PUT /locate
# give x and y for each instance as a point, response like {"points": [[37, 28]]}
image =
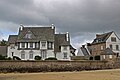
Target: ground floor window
{"points": [[43, 54], [30, 56], [65, 55], [22, 56]]}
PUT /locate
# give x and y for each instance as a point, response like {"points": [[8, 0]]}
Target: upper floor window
{"points": [[37, 45], [43, 44], [50, 45], [113, 39], [117, 47], [31, 45], [111, 47], [23, 45]]}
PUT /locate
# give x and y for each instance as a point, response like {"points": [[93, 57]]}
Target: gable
{"points": [[113, 38], [29, 35]]}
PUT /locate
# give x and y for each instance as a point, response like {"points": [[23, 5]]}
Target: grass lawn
{"points": [[83, 75]]}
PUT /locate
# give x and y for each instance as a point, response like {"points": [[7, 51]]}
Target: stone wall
{"points": [[52, 66]]}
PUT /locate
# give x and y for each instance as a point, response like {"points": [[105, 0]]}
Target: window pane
{"points": [[31, 45], [43, 44], [117, 47], [23, 45], [31, 56], [65, 47], [111, 47], [22, 56], [49, 45], [65, 55], [113, 39]]}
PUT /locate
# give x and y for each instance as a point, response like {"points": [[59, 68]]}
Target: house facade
{"points": [[103, 41], [39, 41]]}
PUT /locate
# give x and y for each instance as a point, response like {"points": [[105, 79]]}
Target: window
{"points": [[43, 54], [23, 45], [113, 39], [49, 45], [65, 48], [110, 56], [117, 47], [22, 56], [12, 53], [43, 44], [36, 45], [101, 47], [111, 47], [30, 56], [31, 45], [28, 35], [65, 55]]}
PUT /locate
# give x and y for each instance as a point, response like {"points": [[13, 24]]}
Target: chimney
{"points": [[67, 36], [21, 27], [52, 26]]}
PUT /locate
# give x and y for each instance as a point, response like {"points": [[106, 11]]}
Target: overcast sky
{"points": [[81, 18]]}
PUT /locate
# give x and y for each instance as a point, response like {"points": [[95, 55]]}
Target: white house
{"points": [[39, 40]]}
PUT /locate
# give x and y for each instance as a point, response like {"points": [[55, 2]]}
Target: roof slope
{"points": [[12, 39], [101, 37], [40, 33], [60, 40], [108, 51]]}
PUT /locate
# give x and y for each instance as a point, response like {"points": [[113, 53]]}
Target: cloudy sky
{"points": [[81, 18]]}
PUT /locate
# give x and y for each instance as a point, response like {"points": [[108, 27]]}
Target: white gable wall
{"points": [[109, 42]]}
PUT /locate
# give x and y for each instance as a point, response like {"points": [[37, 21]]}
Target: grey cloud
{"points": [[78, 17]]}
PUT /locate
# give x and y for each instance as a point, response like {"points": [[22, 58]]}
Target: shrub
{"points": [[91, 58], [16, 58], [9, 58], [51, 58], [97, 57], [2, 57], [37, 58]]}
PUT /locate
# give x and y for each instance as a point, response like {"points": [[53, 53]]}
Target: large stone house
{"points": [[42, 41], [104, 41]]}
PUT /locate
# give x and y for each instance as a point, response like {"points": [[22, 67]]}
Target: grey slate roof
{"points": [[108, 51], [84, 51], [60, 40], [3, 50], [101, 38], [39, 33], [12, 39]]}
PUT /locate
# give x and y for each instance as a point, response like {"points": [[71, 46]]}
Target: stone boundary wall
{"points": [[53, 66]]}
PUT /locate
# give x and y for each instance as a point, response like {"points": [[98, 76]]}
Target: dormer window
{"points": [[28, 35]]}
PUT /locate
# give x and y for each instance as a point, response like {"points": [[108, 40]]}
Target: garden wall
{"points": [[50, 66]]}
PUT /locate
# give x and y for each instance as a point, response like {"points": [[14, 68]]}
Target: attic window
{"points": [[28, 35], [113, 39]]}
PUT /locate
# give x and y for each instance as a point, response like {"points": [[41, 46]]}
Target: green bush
{"points": [[16, 58], [97, 57], [2, 57], [37, 58], [91, 58], [51, 58]]}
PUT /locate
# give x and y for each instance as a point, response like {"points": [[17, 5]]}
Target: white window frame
{"points": [[43, 44], [43, 54], [31, 56]]}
